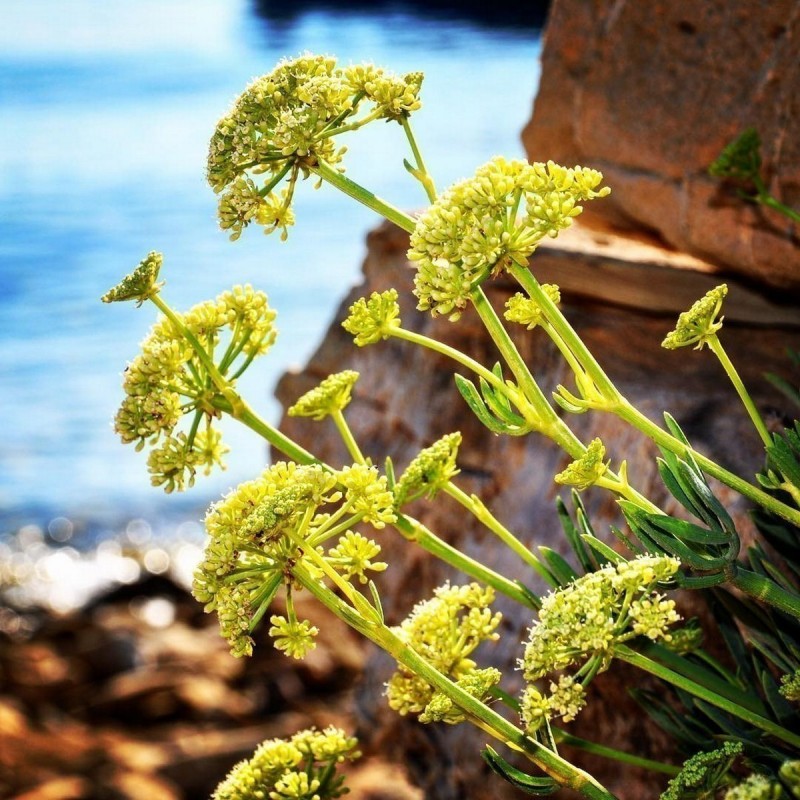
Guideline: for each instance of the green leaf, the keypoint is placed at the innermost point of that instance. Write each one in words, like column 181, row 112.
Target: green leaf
column 607, row 553
column 498, row 403
column 562, row 571
column 477, row 406
column 530, row 784
column 574, row 539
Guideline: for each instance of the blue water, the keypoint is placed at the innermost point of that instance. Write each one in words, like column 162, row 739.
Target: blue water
column 105, row 113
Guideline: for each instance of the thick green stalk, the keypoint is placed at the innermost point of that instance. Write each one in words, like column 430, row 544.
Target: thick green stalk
column 704, row 693
column 562, row 737
column 500, row 728
column 567, row 333
column 551, row 424
column 363, row 196
column 762, row 588
column 719, row 351
column 764, row 197
column 629, row 413
column 347, row 437
column 618, row 405
column 702, row 675
column 278, row 440
column 452, row 353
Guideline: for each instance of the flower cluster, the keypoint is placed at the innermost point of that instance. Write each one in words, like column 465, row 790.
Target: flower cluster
column 431, row 469
column 703, row 773
column 139, row 285
column 299, row 768
column 566, row 699
column 755, row 787
column 287, row 121
column 586, row 470
column 332, row 395
column 488, row 222
column 270, row 532
column 374, row 319
column 790, row 686
column 583, row 622
column 445, row 630
column 526, row 311
column 171, row 379
column 700, row 322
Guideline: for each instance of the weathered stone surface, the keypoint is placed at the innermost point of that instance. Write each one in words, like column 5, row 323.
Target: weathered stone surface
column 405, row 399
column 650, row 93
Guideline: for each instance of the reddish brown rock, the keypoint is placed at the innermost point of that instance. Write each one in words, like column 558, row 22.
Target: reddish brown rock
column 650, row 93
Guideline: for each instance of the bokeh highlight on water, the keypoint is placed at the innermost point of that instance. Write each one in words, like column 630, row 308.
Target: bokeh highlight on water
column 105, row 113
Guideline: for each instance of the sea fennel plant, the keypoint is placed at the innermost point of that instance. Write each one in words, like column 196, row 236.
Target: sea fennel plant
column 307, row 526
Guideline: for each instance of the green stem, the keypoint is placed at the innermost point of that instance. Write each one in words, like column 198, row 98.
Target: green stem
column 565, row 331
column 769, row 201
column 702, row 675
column 618, row 405
column 632, row 415
column 630, row 656
column 550, row 424
column 415, row 531
column 351, row 126
column 363, row 196
column 347, row 437
column 421, row 173
column 719, row 351
column 482, row 514
column 267, row 188
column 221, row 383
column 501, row 729
column 562, row 737
column 278, row 440
column 766, row 590
column 452, row 353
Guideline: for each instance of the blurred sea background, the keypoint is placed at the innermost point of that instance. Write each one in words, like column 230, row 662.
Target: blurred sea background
column 105, row 114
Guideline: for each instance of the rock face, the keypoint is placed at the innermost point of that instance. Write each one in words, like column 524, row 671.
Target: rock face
column 650, row 93
column 405, row 399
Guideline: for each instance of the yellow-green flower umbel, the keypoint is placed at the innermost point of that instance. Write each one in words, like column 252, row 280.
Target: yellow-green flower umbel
column 373, row 319
column 582, row 624
column 445, row 630
column 267, row 528
column 482, row 225
column 169, row 380
column 300, row 768
column 287, row 121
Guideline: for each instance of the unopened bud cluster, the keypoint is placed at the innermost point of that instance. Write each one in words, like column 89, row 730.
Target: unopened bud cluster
column 700, row 322
column 429, row 471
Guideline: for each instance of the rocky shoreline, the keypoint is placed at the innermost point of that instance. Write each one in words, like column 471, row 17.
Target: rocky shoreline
column 135, row 696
